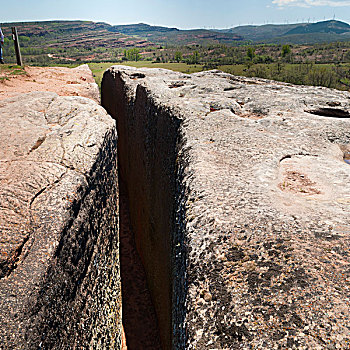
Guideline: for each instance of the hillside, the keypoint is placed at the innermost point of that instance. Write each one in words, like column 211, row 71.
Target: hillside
column 53, row 42
column 332, row 27
column 78, row 33
column 300, row 33
column 174, row 36
column 59, row 41
column 142, row 29
column 261, row 33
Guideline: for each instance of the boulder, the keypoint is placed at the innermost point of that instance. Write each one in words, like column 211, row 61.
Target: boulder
column 59, row 258
column 239, row 194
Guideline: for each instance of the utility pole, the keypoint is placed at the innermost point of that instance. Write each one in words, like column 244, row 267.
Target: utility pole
column 17, row 49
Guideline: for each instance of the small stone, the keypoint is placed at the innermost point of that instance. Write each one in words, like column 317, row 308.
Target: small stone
column 208, row 297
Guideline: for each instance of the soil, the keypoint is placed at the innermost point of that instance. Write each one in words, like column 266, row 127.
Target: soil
column 61, row 80
column 298, row 183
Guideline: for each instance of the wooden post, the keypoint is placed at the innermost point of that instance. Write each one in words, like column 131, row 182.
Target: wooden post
column 16, row 43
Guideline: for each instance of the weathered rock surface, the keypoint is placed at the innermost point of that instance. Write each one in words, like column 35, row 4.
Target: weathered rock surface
column 59, row 259
column 239, row 196
column 64, row 81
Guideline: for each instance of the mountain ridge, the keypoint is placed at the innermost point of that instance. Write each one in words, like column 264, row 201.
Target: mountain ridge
column 330, row 30
column 142, row 34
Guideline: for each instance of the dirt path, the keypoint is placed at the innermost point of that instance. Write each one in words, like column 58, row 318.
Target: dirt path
column 62, row 80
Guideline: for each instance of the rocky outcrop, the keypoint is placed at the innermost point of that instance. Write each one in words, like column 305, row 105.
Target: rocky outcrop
column 59, row 259
column 64, row 81
column 239, row 198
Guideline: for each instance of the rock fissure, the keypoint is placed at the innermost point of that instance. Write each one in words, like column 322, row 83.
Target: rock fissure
column 246, row 206
column 330, row 112
column 233, row 231
column 37, row 144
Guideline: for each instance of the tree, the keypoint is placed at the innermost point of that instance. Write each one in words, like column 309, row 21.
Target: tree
column 133, row 54
column 194, row 58
column 250, row 53
column 178, row 56
column 286, row 53
column 286, row 50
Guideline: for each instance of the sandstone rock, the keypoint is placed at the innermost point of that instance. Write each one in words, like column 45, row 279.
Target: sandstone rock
column 238, row 187
column 59, row 262
column 64, row 81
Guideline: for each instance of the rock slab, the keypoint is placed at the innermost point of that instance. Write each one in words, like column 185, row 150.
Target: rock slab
column 64, row 81
column 254, row 178
column 59, row 258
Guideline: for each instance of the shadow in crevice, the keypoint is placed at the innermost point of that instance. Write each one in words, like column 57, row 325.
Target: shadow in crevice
column 139, row 318
column 329, row 112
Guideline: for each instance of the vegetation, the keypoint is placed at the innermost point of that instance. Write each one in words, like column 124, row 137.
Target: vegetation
column 331, row 76
column 297, row 33
column 178, row 56
column 8, row 70
column 250, row 53
column 132, row 55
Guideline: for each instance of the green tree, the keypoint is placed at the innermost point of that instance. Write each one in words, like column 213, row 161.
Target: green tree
column 250, row 53
column 178, row 56
column 286, row 50
column 286, row 53
column 194, row 58
column 133, row 54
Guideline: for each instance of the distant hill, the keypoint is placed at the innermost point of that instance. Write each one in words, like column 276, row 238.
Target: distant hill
column 142, row 29
column 174, row 36
column 48, row 42
column 332, row 27
column 299, row 33
column 73, row 34
column 51, row 42
column 96, row 34
column 261, row 33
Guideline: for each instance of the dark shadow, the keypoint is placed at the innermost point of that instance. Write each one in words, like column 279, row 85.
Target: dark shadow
column 330, row 112
column 139, row 318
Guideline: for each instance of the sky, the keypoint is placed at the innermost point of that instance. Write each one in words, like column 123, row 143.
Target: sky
column 178, row 13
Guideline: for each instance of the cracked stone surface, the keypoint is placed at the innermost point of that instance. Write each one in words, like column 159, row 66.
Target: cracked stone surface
column 59, row 259
column 260, row 232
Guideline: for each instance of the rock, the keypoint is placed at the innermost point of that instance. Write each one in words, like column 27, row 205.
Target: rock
column 59, row 262
column 237, row 186
column 208, row 297
column 64, row 81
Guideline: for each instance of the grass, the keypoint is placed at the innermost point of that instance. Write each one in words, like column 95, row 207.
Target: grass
column 8, row 70
column 18, row 72
column 327, row 75
column 99, row 68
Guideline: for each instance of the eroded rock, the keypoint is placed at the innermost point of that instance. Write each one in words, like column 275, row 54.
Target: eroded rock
column 246, row 195
column 59, row 259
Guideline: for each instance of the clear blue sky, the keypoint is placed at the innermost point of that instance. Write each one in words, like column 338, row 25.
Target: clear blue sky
column 177, row 13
